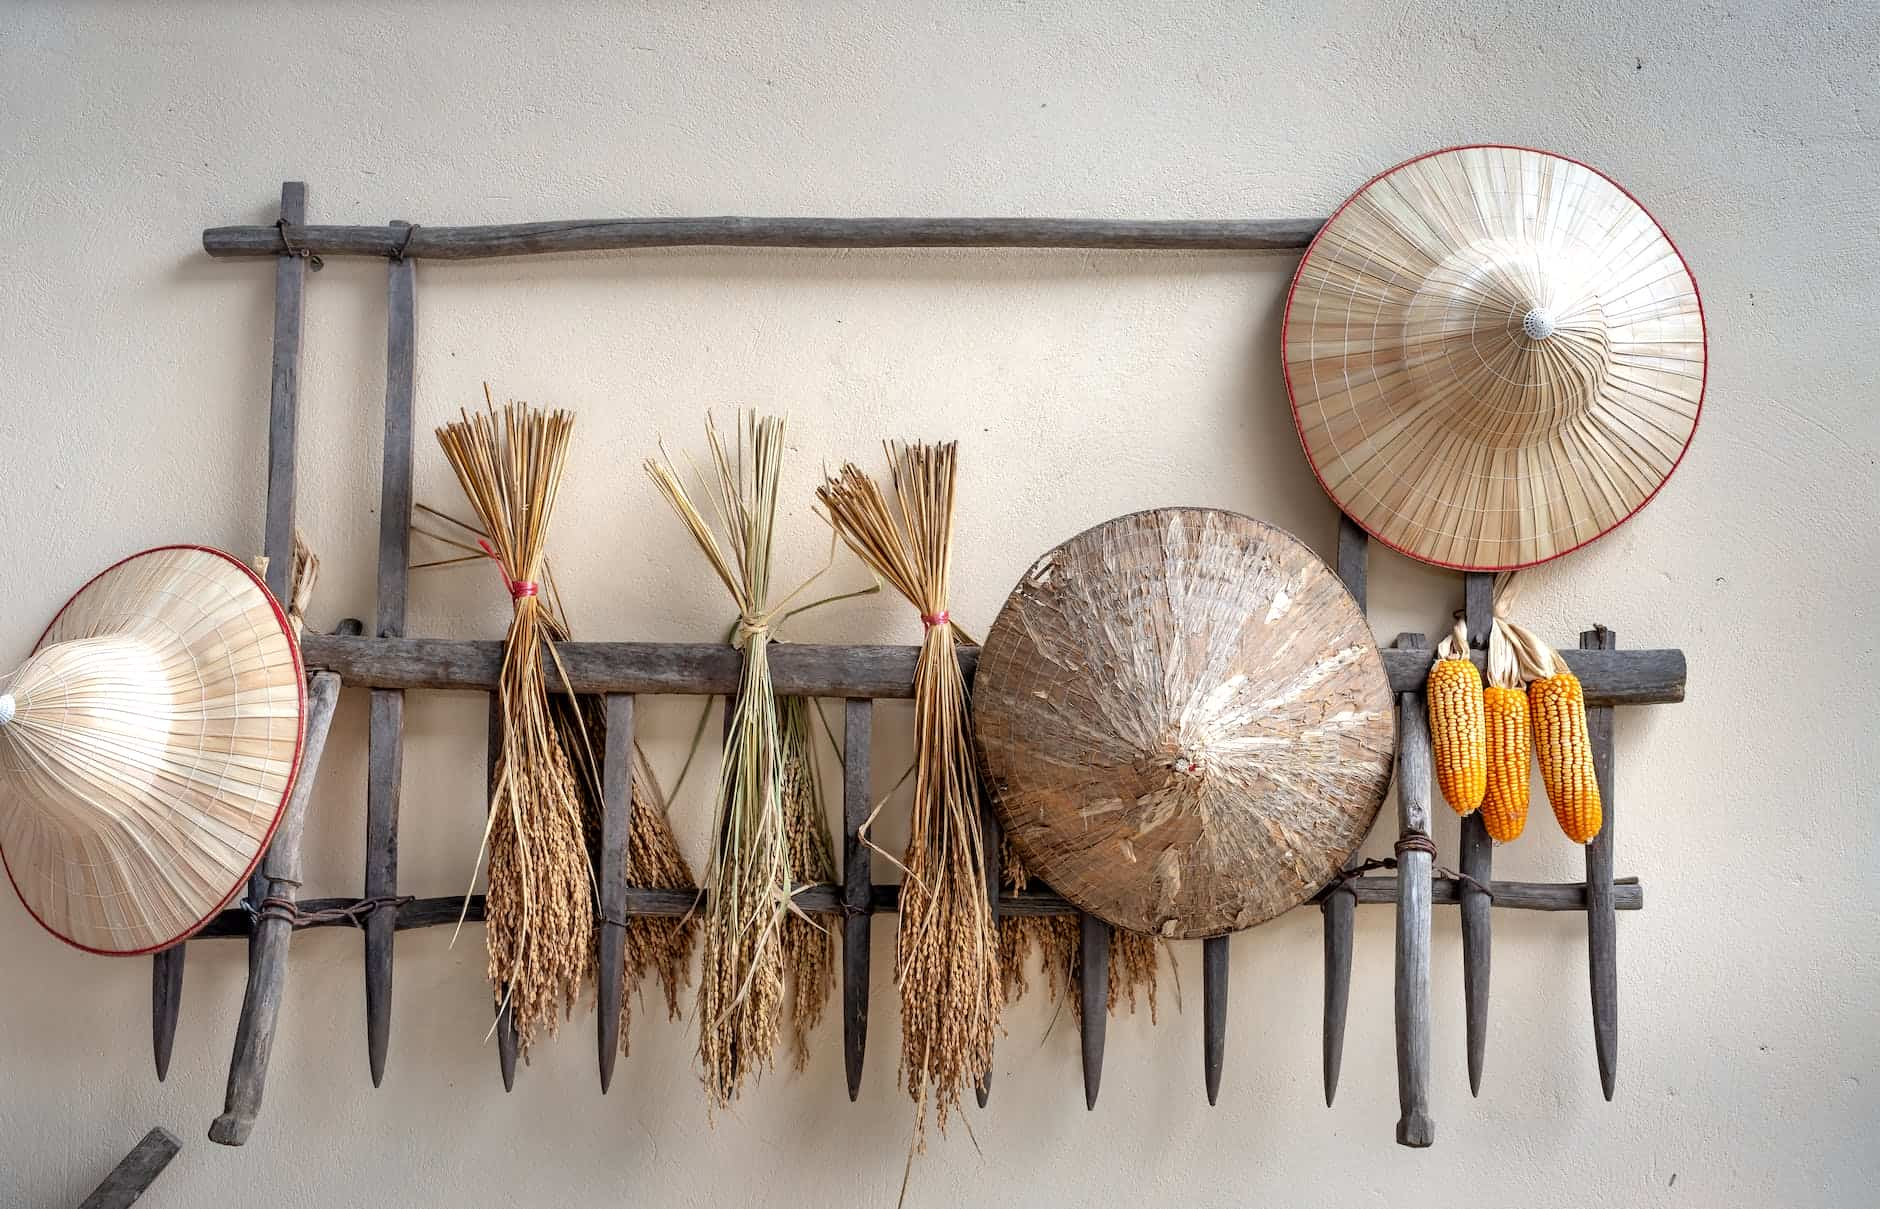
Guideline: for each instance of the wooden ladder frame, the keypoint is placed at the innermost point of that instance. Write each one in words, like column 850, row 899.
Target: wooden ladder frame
column 390, row 664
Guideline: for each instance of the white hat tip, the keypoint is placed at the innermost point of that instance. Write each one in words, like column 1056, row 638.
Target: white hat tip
column 1537, row 324
column 6, row 708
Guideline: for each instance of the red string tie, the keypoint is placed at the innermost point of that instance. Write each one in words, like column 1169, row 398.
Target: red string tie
column 518, row 588
column 930, row 620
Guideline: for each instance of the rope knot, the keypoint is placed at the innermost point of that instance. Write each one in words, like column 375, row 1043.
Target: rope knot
column 930, row 620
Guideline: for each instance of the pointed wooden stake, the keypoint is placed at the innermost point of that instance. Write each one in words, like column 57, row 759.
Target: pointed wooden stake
column 616, row 825
column 1476, row 859
column 857, row 887
column 992, row 833
column 166, row 1004
column 1213, row 1012
column 1602, row 929
column 1095, row 1002
column 1340, row 905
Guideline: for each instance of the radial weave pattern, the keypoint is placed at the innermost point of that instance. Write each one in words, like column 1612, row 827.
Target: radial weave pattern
column 155, row 735
column 1185, row 722
column 1495, row 355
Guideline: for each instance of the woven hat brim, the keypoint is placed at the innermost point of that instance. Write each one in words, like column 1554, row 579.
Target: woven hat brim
column 240, row 827
column 1407, row 410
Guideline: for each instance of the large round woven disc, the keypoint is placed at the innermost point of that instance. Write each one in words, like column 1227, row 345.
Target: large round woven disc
column 1184, row 721
column 1495, row 355
column 147, row 749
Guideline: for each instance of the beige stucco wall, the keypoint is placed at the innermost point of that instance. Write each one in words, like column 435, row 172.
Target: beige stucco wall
column 1081, row 385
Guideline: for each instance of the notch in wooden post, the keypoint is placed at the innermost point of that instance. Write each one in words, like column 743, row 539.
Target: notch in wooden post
column 1602, row 926
column 1476, row 858
column 857, row 887
column 616, row 826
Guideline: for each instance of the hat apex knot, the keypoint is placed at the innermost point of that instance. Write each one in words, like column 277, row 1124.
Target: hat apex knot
column 7, row 709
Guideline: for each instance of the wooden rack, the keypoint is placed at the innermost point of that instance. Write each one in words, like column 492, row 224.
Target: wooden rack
column 389, row 664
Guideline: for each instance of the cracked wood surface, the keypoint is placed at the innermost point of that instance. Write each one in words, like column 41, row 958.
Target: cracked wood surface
column 1185, row 721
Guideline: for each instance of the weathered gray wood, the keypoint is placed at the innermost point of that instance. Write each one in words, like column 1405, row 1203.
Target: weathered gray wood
column 991, row 835
column 506, row 1046
column 1094, row 954
column 135, row 1171
column 290, row 279
column 1602, row 929
column 1414, row 1126
column 166, row 1004
column 1213, row 1013
column 1339, row 904
column 267, row 970
column 618, row 234
column 1476, row 856
column 857, row 886
column 881, row 672
column 616, row 825
column 385, row 739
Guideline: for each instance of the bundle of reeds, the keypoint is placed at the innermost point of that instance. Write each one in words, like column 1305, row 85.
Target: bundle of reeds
column 749, row 880
column 540, row 906
column 947, row 956
column 809, row 947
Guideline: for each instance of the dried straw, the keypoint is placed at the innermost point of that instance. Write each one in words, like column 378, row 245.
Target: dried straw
column 749, row 880
column 1058, row 942
column 809, row 948
column 540, row 906
column 947, row 958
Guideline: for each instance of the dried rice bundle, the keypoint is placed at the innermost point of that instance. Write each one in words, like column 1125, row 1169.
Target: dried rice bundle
column 809, row 947
column 540, row 906
column 1058, row 942
column 749, row 881
column 947, row 956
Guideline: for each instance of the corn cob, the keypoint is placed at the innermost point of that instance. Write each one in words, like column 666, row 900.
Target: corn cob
column 1509, row 751
column 1557, row 714
column 1457, row 742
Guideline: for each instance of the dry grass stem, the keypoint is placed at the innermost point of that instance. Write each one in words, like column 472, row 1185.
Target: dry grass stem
column 540, row 906
column 749, row 881
column 947, row 954
column 809, row 945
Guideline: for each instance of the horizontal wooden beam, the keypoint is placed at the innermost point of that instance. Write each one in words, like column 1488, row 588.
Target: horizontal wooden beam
column 621, row 234
column 1608, row 677
column 1628, row 895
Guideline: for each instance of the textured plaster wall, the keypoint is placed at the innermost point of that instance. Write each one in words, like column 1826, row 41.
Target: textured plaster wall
column 1081, row 385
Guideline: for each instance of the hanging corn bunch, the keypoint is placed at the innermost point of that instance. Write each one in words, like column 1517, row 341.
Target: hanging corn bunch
column 1557, row 716
column 1509, row 751
column 749, row 881
column 809, row 948
column 540, row 905
column 1454, row 692
column 947, row 951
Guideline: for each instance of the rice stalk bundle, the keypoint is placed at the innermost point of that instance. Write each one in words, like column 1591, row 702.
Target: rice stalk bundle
column 1058, row 942
column 540, row 905
column 741, row 982
column 809, row 947
column 947, row 952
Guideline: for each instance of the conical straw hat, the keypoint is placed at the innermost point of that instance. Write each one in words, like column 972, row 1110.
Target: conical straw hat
column 1495, row 355
column 1185, row 723
column 147, row 748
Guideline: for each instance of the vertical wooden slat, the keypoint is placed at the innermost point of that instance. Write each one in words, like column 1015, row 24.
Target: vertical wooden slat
column 506, row 1048
column 135, row 1172
column 1414, row 1126
column 385, row 740
column 1602, row 928
column 1094, row 953
column 267, row 968
column 857, row 886
column 290, row 279
column 1476, row 859
column 1339, row 908
column 616, row 825
column 1213, row 1013
column 993, row 834
column 166, row 1002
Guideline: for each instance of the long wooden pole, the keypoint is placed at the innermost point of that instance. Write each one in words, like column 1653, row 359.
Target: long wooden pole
column 1339, row 903
column 1602, row 929
column 621, row 234
column 1414, row 1126
column 1476, row 856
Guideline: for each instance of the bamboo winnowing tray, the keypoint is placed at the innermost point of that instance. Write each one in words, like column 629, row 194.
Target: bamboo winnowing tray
column 389, row 664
